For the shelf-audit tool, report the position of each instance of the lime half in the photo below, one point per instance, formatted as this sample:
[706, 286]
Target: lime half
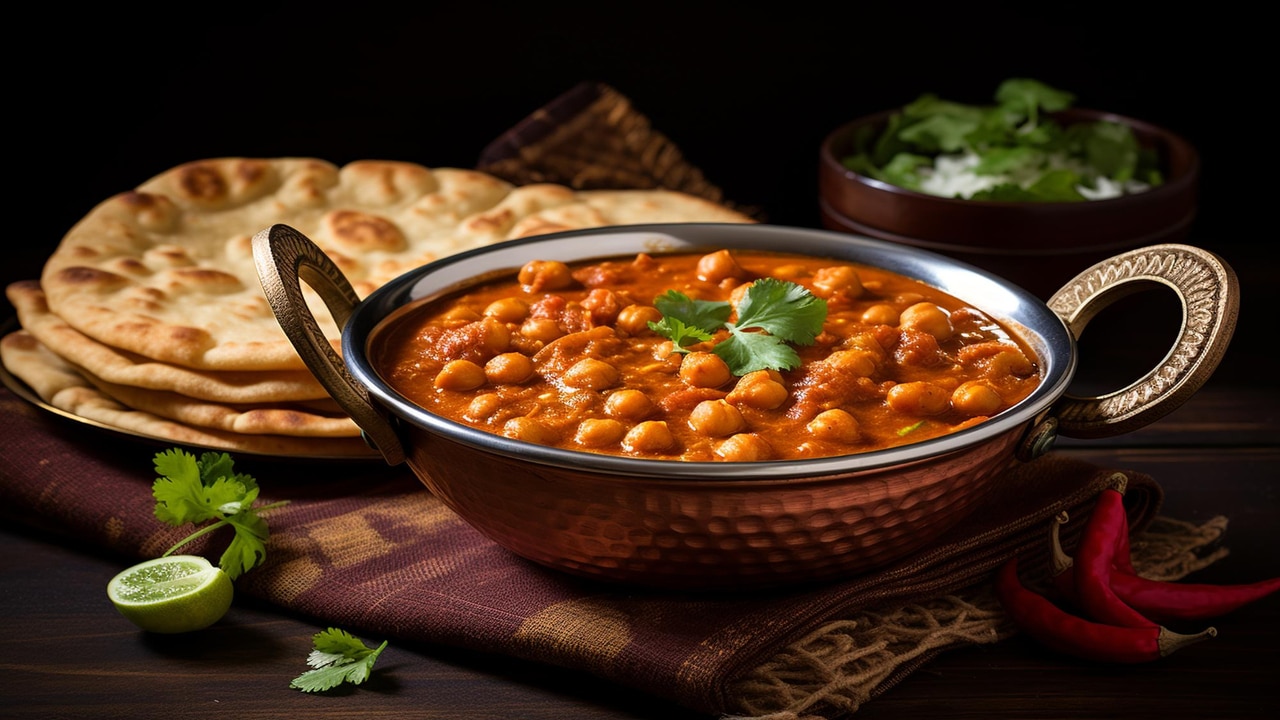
[174, 594]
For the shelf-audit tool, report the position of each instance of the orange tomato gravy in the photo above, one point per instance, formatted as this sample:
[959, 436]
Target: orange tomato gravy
[562, 355]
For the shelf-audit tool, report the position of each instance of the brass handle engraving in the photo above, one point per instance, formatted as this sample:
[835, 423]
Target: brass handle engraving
[1210, 296]
[285, 258]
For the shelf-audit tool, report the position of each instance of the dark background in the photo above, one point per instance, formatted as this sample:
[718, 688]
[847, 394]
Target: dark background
[109, 97]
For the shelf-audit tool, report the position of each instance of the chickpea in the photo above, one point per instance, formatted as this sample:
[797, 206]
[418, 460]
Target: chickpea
[483, 406]
[718, 266]
[759, 390]
[508, 310]
[918, 398]
[635, 319]
[704, 370]
[603, 305]
[927, 317]
[510, 368]
[459, 316]
[460, 375]
[716, 418]
[837, 279]
[744, 447]
[880, 314]
[599, 433]
[1009, 362]
[835, 426]
[650, 436]
[628, 404]
[540, 275]
[495, 337]
[976, 398]
[664, 350]
[854, 363]
[541, 329]
[591, 374]
[529, 430]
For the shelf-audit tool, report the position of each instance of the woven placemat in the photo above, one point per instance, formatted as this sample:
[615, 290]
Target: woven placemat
[593, 138]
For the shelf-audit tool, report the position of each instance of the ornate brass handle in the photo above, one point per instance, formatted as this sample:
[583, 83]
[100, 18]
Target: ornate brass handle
[285, 257]
[1210, 295]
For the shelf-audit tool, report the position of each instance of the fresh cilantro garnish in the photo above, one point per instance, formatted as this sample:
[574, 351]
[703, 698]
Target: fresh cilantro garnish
[1020, 151]
[196, 491]
[771, 314]
[338, 657]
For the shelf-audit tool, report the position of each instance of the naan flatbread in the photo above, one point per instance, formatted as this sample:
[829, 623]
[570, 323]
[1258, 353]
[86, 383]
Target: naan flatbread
[124, 368]
[61, 386]
[267, 419]
[166, 271]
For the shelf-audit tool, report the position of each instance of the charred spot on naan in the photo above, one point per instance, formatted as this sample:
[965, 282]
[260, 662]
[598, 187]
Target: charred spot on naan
[224, 182]
[80, 276]
[362, 233]
[149, 211]
[185, 343]
[189, 280]
[168, 255]
[382, 183]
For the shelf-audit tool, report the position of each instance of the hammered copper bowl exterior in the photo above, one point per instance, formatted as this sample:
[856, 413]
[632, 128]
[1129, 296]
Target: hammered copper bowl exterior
[708, 525]
[707, 534]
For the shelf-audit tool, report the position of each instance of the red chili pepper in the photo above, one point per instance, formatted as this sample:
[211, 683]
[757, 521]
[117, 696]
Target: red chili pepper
[1079, 637]
[1168, 602]
[1158, 600]
[1095, 558]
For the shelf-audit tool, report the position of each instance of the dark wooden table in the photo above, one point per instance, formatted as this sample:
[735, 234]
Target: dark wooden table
[69, 655]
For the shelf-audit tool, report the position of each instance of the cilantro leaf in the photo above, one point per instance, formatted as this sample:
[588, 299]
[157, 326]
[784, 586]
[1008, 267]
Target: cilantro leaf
[338, 657]
[770, 314]
[1028, 97]
[940, 133]
[746, 352]
[197, 491]
[680, 334]
[903, 170]
[706, 315]
[782, 309]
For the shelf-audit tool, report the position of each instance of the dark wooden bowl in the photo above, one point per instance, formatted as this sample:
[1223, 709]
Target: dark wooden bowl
[1038, 245]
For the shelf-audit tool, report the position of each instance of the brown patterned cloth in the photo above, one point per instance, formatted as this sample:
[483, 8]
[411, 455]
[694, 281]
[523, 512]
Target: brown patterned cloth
[365, 547]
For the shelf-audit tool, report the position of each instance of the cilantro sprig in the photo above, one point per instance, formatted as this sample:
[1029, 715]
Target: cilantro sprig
[770, 314]
[196, 491]
[1025, 153]
[338, 657]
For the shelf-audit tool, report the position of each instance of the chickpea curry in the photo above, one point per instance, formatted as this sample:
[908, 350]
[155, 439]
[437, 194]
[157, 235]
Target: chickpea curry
[735, 356]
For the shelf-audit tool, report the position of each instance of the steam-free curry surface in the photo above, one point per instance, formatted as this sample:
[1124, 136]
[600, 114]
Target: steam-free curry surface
[564, 355]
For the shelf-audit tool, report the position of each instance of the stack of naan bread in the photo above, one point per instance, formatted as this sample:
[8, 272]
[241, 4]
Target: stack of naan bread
[149, 316]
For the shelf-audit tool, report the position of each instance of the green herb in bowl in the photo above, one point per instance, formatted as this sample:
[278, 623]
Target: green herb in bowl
[1014, 150]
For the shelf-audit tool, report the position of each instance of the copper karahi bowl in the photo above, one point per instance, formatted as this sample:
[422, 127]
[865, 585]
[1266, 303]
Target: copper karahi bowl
[739, 525]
